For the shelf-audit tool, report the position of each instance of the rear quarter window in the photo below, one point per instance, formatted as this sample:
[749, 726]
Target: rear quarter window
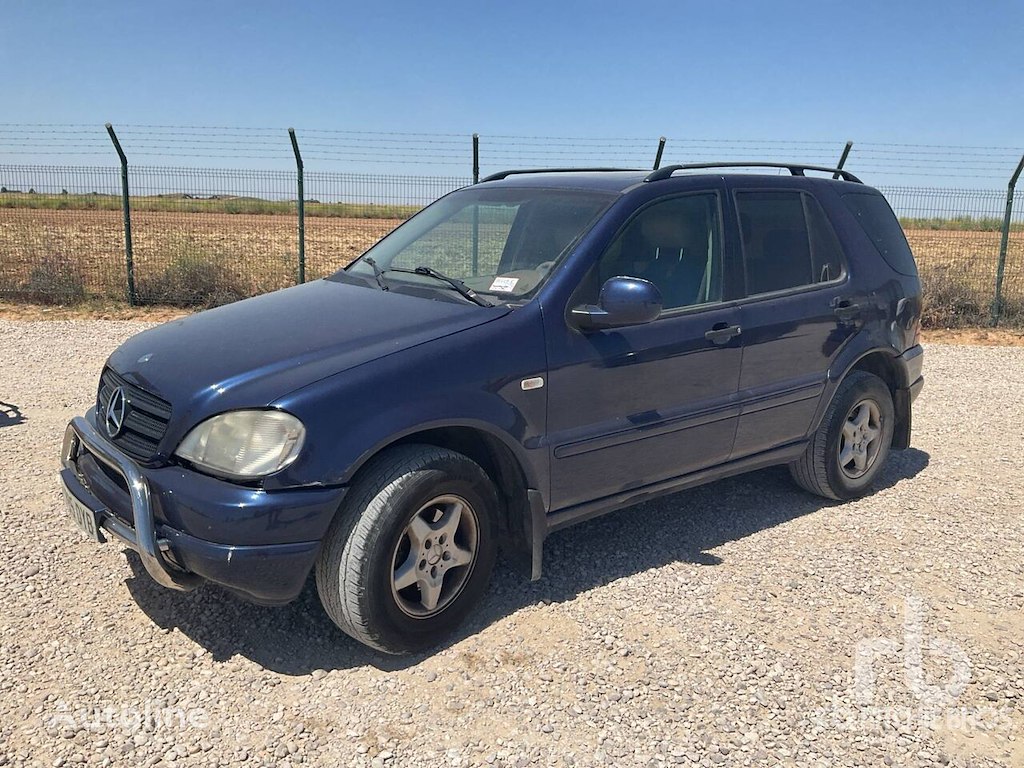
[880, 223]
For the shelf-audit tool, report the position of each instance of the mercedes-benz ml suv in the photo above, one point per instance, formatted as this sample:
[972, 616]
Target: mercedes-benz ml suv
[523, 354]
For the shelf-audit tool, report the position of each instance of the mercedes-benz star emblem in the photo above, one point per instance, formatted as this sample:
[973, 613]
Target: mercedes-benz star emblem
[114, 417]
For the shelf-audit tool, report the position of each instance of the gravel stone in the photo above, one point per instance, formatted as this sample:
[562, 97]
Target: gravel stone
[721, 626]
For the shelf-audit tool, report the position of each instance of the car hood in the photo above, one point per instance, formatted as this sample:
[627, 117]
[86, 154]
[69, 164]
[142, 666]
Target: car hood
[250, 353]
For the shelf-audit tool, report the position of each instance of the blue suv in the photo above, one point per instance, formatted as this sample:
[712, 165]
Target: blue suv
[522, 355]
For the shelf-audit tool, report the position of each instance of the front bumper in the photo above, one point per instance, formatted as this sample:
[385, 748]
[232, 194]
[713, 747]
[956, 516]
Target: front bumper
[136, 506]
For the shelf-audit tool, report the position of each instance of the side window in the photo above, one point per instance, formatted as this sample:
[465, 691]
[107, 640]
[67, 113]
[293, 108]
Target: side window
[787, 241]
[674, 243]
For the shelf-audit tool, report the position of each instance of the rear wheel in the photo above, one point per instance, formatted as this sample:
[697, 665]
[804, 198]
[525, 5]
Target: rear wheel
[851, 444]
[411, 550]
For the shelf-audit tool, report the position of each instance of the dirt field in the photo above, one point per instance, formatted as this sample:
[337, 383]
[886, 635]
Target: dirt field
[259, 253]
[262, 251]
[958, 268]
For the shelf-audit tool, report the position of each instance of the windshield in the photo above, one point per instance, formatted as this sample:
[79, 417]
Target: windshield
[501, 242]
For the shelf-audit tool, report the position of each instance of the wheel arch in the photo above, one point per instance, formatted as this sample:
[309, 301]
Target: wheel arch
[521, 514]
[883, 363]
[880, 363]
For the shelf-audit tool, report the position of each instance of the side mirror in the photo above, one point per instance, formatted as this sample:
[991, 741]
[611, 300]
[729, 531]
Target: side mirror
[623, 301]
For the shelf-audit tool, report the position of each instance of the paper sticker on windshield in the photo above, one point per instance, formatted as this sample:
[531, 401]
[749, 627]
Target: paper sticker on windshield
[504, 284]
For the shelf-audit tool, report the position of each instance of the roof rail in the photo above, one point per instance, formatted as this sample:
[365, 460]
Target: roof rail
[505, 174]
[796, 169]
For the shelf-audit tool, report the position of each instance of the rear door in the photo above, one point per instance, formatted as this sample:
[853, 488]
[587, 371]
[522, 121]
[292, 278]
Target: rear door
[793, 317]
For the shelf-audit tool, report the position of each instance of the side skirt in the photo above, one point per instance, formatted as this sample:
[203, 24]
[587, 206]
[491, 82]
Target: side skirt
[529, 559]
[577, 514]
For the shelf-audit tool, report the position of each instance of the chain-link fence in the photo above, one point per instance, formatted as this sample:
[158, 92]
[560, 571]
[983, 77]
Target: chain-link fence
[61, 233]
[221, 235]
[202, 236]
[955, 235]
[347, 213]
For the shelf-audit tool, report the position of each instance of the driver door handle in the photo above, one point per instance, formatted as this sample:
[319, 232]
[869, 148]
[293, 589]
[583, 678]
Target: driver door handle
[721, 333]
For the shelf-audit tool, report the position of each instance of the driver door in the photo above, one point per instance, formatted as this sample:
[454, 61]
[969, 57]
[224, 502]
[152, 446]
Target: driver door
[636, 405]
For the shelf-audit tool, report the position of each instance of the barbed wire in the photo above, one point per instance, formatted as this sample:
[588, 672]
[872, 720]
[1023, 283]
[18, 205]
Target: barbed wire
[451, 151]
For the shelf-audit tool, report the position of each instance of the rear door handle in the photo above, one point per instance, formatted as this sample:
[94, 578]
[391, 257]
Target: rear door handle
[721, 333]
[844, 309]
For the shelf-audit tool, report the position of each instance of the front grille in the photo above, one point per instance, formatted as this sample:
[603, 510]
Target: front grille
[145, 420]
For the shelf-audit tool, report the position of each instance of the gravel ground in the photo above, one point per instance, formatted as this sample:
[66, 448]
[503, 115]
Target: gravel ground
[720, 626]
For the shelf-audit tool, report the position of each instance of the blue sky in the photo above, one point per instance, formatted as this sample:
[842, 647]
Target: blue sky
[882, 73]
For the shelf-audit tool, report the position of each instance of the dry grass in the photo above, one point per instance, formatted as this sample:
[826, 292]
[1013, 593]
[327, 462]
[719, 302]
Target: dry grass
[958, 271]
[259, 253]
[179, 203]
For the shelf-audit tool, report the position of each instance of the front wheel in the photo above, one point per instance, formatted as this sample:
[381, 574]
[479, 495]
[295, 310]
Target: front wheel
[411, 550]
[851, 444]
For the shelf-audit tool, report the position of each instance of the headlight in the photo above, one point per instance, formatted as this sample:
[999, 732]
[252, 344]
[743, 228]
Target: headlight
[244, 444]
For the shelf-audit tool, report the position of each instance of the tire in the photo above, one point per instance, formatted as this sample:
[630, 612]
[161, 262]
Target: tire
[416, 528]
[861, 398]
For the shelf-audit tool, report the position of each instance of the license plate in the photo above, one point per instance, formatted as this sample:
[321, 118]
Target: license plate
[84, 517]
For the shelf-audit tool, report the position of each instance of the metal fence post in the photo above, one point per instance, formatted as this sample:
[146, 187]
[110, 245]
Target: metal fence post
[476, 158]
[661, 151]
[476, 208]
[129, 259]
[842, 158]
[300, 173]
[997, 301]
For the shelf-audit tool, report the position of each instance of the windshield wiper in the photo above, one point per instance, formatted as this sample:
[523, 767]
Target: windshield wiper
[378, 273]
[458, 285]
